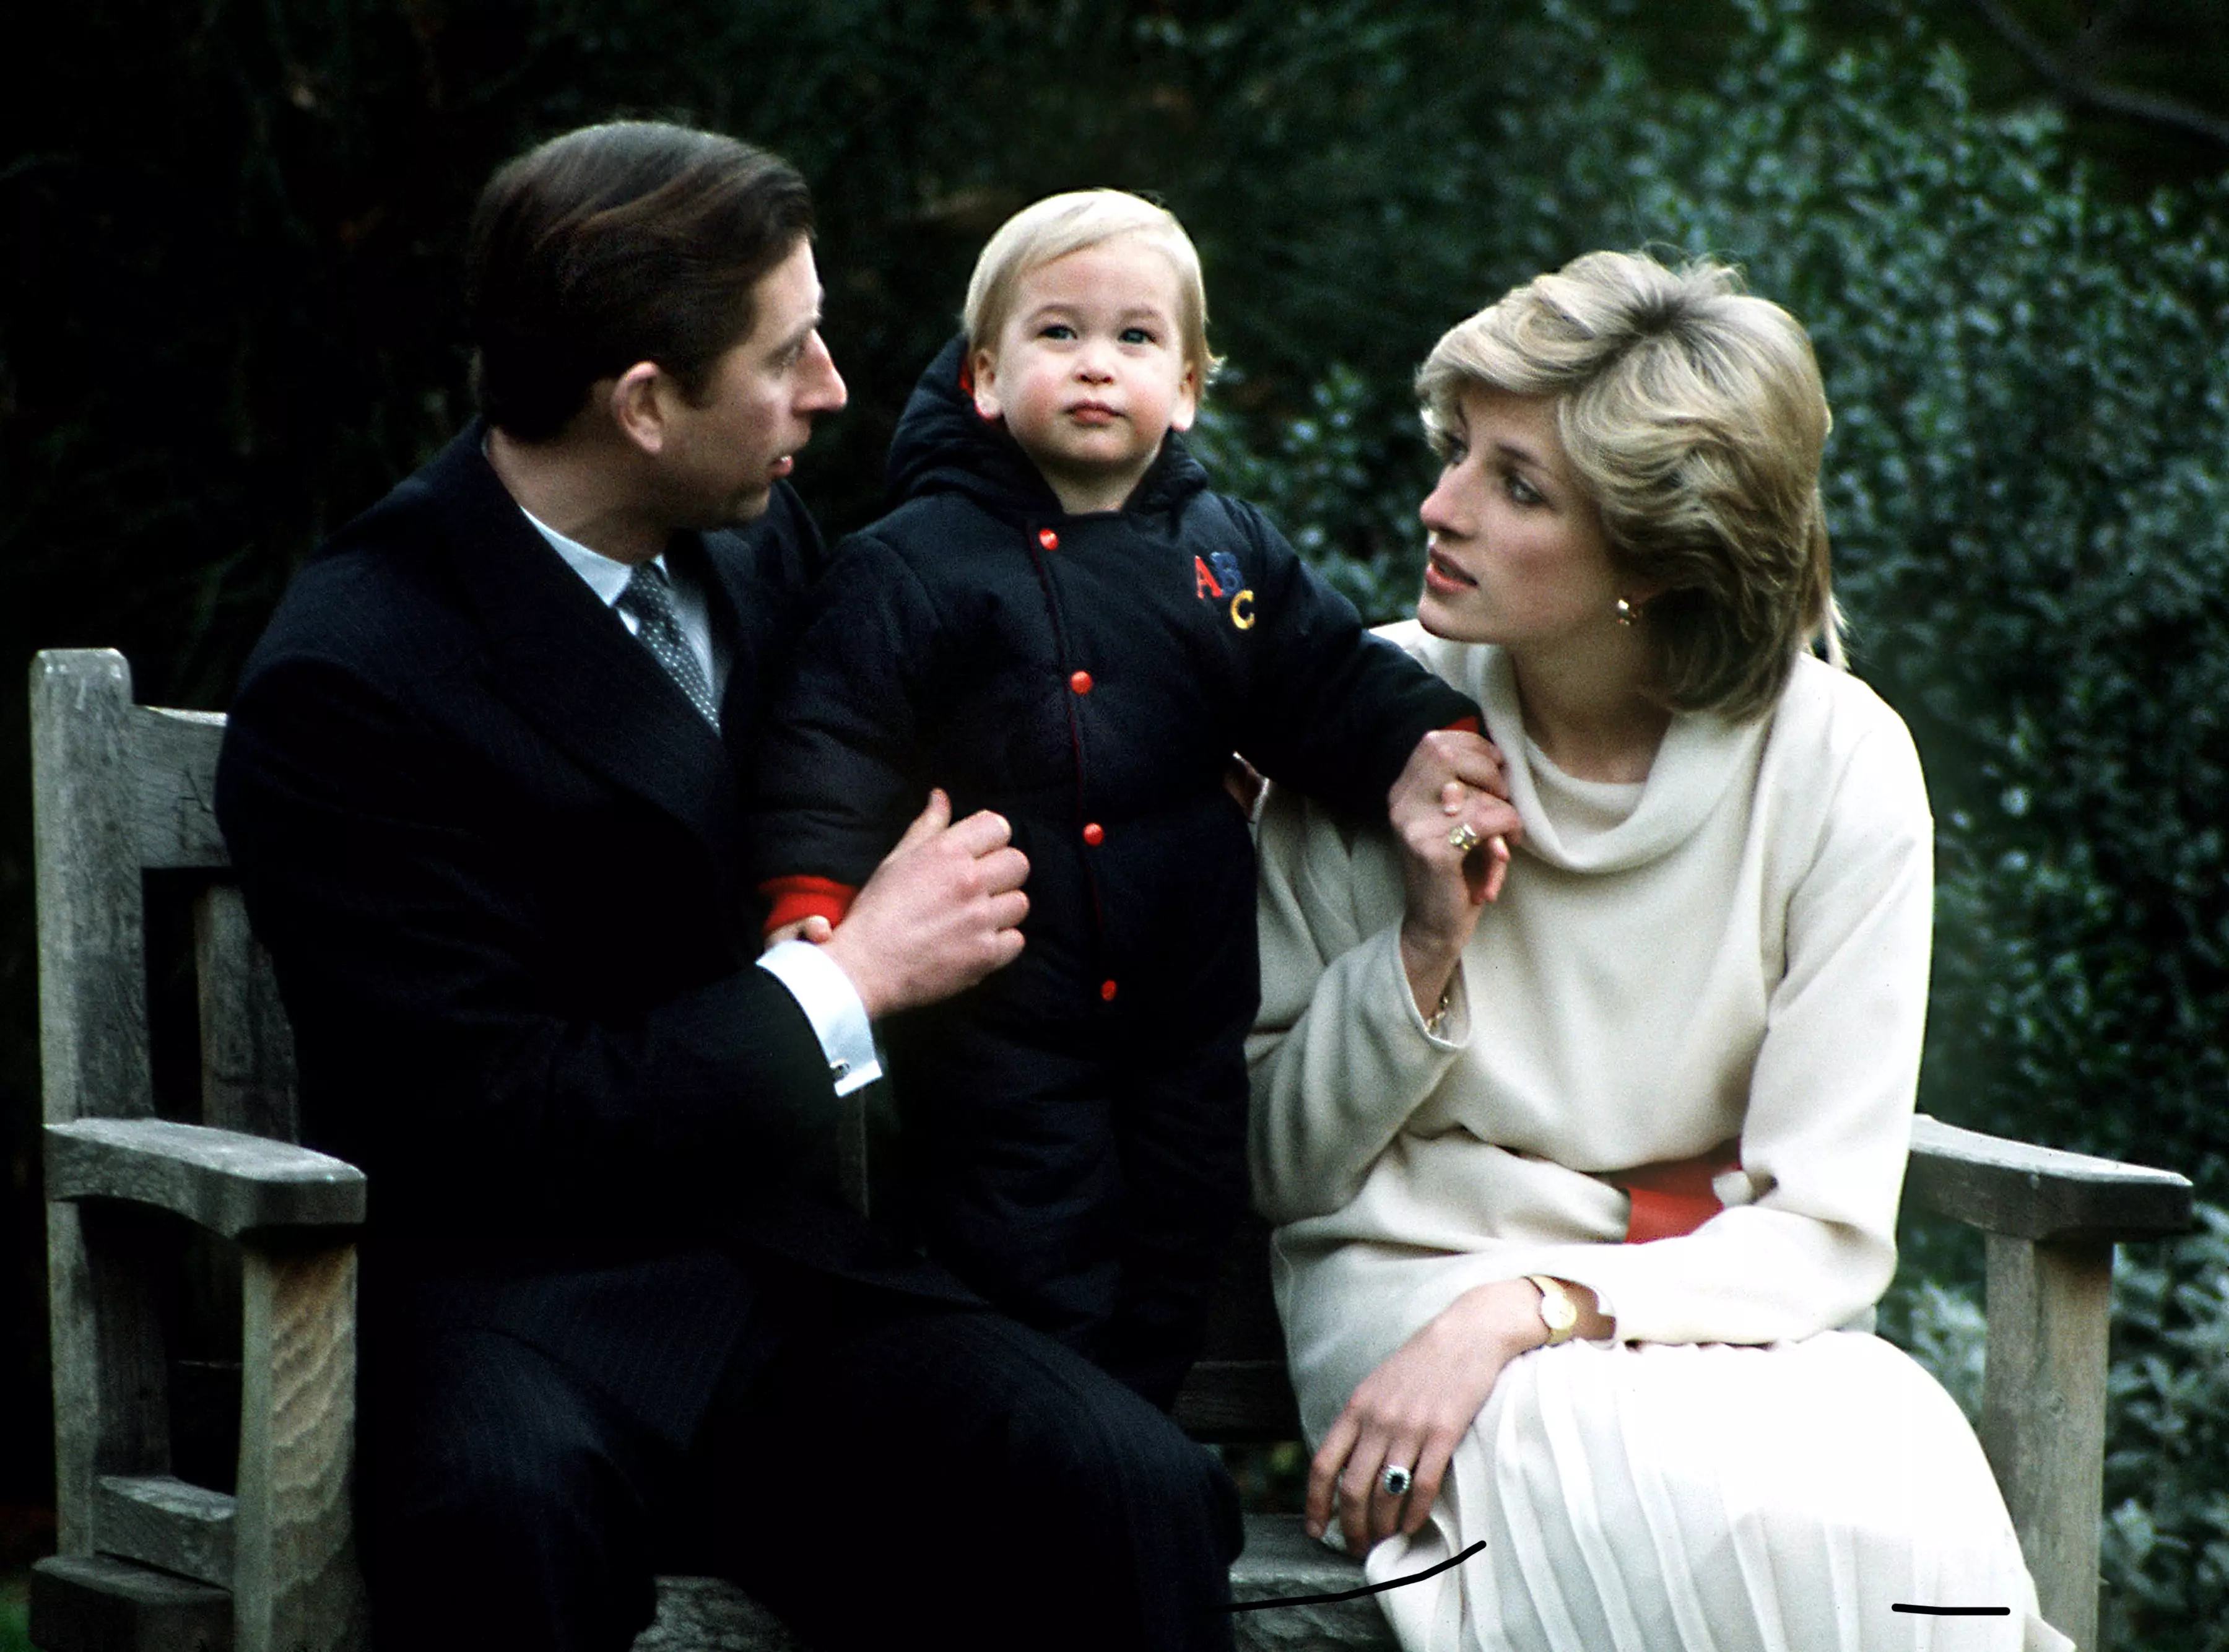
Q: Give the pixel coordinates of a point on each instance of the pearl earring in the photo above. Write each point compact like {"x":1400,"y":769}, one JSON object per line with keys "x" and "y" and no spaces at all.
{"x":1627,"y":613}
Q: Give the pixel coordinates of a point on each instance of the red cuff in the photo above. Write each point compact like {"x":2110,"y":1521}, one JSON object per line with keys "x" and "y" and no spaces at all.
{"x":1675,"y":1198}
{"x":806,"y":897}
{"x":1462,"y":725}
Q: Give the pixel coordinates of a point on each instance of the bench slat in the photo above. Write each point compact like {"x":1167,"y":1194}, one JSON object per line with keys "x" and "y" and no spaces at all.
{"x":2029,"y":1192}
{"x":228,"y":1183}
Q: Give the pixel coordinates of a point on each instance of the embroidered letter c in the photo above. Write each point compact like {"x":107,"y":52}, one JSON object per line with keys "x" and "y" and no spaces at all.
{"x":1241,"y":610}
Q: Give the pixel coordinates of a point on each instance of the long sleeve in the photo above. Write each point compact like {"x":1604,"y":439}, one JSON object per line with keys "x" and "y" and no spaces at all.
{"x":839,"y":768}
{"x":1749,"y":960}
{"x":1333,"y":710}
{"x":1830,"y":1096}
{"x":1338,"y":1054}
{"x":436,"y":969}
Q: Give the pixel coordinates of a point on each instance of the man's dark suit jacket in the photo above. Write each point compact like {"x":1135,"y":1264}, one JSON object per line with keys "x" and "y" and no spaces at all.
{"x":498,"y":860}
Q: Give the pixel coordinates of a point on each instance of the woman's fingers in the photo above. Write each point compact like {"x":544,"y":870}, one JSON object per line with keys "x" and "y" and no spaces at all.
{"x":1484,"y":867}
{"x":1324,"y":1471}
{"x":1432,"y":1459}
{"x":1381,"y":1512}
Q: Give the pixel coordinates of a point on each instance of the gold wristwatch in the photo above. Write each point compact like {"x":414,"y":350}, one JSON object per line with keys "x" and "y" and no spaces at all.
{"x":1557,"y":1311}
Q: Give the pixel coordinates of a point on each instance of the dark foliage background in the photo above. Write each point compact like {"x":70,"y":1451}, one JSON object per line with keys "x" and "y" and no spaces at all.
{"x":228,"y":320}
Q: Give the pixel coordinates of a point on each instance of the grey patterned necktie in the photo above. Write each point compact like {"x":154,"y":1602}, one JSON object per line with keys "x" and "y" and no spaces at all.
{"x":650,"y":600}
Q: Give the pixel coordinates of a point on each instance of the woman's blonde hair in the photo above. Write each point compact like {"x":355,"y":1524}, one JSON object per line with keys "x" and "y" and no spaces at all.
{"x":1061,"y":224}
{"x":1693,"y":415}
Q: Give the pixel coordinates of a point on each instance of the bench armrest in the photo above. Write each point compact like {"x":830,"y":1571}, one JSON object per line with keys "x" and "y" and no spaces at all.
{"x":230,"y":1183}
{"x":2020,"y":1191}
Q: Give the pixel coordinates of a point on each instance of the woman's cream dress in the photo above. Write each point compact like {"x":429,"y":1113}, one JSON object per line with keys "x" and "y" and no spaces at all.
{"x":1736,"y":948}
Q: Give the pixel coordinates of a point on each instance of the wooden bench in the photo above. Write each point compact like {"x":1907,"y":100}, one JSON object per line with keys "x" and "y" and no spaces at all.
{"x":153,"y":1562}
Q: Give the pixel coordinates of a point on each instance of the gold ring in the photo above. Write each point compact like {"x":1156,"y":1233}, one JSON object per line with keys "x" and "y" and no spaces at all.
{"x":1463,"y":839}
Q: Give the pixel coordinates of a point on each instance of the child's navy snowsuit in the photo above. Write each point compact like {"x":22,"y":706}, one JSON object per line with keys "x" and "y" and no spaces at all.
{"x":1075,"y":1126}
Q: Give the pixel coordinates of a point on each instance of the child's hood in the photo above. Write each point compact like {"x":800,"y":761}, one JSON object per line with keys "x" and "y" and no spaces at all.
{"x":942,"y":445}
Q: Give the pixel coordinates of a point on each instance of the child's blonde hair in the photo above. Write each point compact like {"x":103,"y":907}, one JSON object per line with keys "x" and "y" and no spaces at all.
{"x":1061,"y":224}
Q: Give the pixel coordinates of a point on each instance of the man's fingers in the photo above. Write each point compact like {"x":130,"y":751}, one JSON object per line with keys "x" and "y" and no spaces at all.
{"x":1003,"y":870}
{"x":935,"y":816}
{"x":982,"y":833}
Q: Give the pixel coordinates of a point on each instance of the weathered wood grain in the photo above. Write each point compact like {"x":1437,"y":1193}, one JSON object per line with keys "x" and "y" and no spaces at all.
{"x":297,"y":1585}
{"x":88,"y":1603}
{"x":108,"y":1349}
{"x":2029,"y":1192}
{"x":2042,"y":1413}
{"x":247,"y":1051}
{"x":94,"y":1063}
{"x":1239,"y":1399}
{"x":92,"y":993}
{"x":230,"y":1183}
{"x":1280,"y":1561}
{"x":173,"y":787}
{"x":161,"y":1520}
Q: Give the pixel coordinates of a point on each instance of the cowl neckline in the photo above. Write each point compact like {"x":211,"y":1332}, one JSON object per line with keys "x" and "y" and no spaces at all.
{"x":1701,"y":757}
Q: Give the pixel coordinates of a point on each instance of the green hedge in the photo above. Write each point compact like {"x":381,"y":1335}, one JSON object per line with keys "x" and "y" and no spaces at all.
{"x":2029,"y":489}
{"x":2028,"y":484}
{"x":2165,"y":1542}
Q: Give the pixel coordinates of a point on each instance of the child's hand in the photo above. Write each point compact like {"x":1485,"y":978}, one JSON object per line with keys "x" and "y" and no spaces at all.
{"x":815,"y":928}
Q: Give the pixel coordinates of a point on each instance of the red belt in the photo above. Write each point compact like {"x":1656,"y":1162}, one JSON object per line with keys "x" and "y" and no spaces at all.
{"x":1675,"y":1196}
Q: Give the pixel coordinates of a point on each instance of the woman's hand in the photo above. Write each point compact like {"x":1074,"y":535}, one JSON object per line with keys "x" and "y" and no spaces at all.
{"x":1412,"y":1410}
{"x":1452,"y":781}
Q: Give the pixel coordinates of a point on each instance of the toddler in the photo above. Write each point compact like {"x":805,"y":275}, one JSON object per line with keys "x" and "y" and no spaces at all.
{"x":1060,"y":621}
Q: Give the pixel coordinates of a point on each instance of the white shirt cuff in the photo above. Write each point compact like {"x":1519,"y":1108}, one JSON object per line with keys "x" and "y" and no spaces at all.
{"x":824,"y":993}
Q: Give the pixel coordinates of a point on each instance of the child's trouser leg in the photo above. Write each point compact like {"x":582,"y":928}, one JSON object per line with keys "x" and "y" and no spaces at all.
{"x":1181,"y":1131}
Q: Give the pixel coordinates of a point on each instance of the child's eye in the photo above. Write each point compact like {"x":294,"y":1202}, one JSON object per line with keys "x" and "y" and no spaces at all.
{"x":1057,"y":330}
{"x":1136,"y":336}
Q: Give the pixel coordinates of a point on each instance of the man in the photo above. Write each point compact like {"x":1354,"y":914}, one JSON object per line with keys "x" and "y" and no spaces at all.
{"x":484,"y":784}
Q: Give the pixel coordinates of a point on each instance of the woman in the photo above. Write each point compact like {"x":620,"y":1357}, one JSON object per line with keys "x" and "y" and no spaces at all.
{"x":1585,"y":1199}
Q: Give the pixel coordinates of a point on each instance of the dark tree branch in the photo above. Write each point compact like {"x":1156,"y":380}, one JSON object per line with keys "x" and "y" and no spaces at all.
{"x":2076,"y":85}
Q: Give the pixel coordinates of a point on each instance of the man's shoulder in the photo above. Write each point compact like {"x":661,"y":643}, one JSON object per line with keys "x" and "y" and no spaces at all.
{"x":376,"y":595}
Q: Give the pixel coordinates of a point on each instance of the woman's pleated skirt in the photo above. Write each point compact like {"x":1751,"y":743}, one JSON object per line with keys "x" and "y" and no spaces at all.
{"x":1805,"y":1496}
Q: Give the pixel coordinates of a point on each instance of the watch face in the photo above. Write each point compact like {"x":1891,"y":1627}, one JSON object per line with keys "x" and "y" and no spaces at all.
{"x":1557,"y":1311}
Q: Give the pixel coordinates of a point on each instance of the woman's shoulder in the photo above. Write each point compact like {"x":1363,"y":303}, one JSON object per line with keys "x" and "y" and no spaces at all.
{"x":1846,"y":740}
{"x":1461,"y":664}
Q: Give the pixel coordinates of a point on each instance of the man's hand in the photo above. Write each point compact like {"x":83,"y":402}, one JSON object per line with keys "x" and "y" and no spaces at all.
{"x":942,"y":911}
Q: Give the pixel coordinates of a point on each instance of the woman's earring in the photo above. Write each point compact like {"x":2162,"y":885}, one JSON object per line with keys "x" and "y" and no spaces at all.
{"x":1627,"y":613}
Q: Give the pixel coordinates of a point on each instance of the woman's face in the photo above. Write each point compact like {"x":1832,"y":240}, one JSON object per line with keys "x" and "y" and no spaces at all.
{"x":1516,"y":553}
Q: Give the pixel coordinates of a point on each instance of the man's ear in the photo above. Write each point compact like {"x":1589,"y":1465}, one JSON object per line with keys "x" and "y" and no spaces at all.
{"x":1187,"y":404}
{"x":983,"y":371}
{"x":639,"y":406}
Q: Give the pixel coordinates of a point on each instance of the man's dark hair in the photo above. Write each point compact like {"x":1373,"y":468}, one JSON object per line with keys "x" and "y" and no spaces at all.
{"x":632,"y":241}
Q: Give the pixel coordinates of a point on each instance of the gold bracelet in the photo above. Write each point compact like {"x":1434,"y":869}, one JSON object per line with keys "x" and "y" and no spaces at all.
{"x":1437,"y":1022}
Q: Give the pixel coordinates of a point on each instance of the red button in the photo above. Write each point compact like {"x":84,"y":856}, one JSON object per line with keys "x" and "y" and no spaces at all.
{"x":1049,"y":539}
{"x":1107,"y":991}
{"x":1081,"y":682}
{"x":1094,"y":833}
